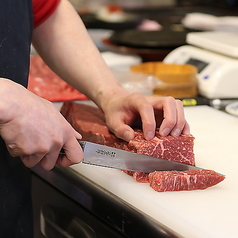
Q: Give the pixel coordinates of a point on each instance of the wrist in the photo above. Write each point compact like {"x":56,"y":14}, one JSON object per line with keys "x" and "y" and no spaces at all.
{"x":9,"y":91}
{"x":107,"y":94}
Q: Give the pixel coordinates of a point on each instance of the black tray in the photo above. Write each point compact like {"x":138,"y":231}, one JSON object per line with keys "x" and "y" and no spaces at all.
{"x":149,"y":39}
{"x":91,"y":21}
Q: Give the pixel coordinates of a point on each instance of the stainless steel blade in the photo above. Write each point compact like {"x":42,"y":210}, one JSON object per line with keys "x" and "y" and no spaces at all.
{"x":100,"y":155}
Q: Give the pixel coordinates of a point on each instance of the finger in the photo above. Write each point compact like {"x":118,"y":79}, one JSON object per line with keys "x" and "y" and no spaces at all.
{"x":31,"y":160}
{"x":148,"y":121}
{"x":169,"y":108}
{"x":49,"y":160}
{"x":146,"y":112}
{"x":124,"y":132}
{"x":73,"y":153}
{"x":186,"y":129}
{"x":180,"y":120}
{"x":174,"y":122}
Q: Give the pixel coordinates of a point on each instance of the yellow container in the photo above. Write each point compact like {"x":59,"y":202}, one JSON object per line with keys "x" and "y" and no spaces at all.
{"x":175,"y":80}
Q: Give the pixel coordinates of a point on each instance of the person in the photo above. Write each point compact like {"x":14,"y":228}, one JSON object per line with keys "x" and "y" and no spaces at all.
{"x":32,"y":130}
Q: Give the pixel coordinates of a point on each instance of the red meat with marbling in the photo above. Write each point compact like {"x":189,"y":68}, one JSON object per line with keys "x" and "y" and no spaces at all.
{"x":162,"y":181}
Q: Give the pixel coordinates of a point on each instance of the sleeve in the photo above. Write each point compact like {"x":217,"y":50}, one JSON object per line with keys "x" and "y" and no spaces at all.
{"x":42,"y":9}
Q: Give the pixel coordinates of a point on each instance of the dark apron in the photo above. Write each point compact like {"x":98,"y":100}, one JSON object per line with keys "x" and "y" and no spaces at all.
{"x":15,"y":179}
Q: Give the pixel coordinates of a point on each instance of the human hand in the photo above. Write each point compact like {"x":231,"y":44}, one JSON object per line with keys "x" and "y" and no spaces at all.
{"x":34,"y":129}
{"x":124,"y":111}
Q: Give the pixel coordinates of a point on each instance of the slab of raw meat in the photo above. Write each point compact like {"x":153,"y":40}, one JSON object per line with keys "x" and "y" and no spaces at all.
{"x":90,"y":122}
{"x":184,"y":180}
{"x":46,"y":84}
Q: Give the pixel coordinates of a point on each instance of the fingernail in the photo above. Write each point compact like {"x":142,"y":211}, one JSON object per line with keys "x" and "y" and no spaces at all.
{"x":150,"y":135}
{"x":165,"y":131}
{"x":177,"y":132}
{"x":128,"y":136}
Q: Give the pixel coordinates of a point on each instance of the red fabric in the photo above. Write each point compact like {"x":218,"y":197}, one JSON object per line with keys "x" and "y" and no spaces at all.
{"x":42,"y":9}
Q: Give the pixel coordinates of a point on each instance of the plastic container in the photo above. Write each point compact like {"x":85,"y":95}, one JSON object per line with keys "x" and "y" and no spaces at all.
{"x":177,"y":80}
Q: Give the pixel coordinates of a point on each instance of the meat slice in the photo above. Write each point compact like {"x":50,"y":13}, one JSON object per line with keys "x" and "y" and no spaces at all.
{"x":46,"y":84}
{"x":138,"y":176}
{"x":90,"y":123}
{"x":184,"y":180}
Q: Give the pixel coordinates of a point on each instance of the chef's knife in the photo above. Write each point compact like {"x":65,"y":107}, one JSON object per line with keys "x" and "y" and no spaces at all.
{"x":101,"y":155}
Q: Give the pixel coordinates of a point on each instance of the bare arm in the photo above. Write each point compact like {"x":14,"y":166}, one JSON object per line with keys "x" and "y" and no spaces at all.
{"x":65,"y":45}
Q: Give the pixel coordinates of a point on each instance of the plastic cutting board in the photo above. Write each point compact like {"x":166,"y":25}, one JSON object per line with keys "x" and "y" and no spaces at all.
{"x":210,"y":213}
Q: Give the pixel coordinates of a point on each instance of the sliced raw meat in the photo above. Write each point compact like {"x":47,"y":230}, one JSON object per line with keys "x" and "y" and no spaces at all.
{"x":46,"y":84}
{"x":141,"y":177}
{"x":90,"y":123}
{"x":138,"y":176}
{"x":184,"y":180}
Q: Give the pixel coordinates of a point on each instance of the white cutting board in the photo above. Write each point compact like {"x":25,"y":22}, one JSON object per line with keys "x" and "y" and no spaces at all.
{"x":210,"y":213}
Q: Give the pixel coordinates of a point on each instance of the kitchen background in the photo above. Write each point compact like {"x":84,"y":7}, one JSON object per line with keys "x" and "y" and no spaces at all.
{"x":169,"y":14}
{"x":85,"y":201}
{"x":142,"y":3}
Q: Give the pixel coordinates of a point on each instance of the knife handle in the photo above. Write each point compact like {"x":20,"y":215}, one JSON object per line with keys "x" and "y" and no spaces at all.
{"x":81,"y":143}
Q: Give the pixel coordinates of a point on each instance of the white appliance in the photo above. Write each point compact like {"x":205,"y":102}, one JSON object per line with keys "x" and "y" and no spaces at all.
{"x":215,"y":54}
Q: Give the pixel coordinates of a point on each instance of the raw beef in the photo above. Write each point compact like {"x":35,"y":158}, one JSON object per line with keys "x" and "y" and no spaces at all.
{"x":46,"y":84}
{"x":184,"y":180}
{"x":179,"y":149}
{"x":90,"y":122}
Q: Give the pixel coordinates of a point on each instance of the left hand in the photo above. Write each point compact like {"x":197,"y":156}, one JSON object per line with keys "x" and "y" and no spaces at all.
{"x":124,"y":111}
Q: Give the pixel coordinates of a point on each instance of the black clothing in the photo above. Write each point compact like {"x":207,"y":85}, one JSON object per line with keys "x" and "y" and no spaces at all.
{"x":16,"y":24}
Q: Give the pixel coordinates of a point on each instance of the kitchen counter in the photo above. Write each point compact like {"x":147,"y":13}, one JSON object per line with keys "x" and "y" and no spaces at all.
{"x":128,"y":205}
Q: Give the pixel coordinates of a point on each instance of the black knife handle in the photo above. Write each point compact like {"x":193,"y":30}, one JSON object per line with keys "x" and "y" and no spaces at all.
{"x":82,"y":144}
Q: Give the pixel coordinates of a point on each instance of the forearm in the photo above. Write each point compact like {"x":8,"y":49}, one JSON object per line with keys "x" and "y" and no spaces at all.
{"x":74,"y":57}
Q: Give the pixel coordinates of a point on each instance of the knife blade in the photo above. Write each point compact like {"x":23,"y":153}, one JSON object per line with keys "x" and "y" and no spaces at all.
{"x":101,"y":155}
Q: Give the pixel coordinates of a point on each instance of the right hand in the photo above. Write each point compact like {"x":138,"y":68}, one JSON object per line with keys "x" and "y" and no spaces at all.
{"x":34,"y":129}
